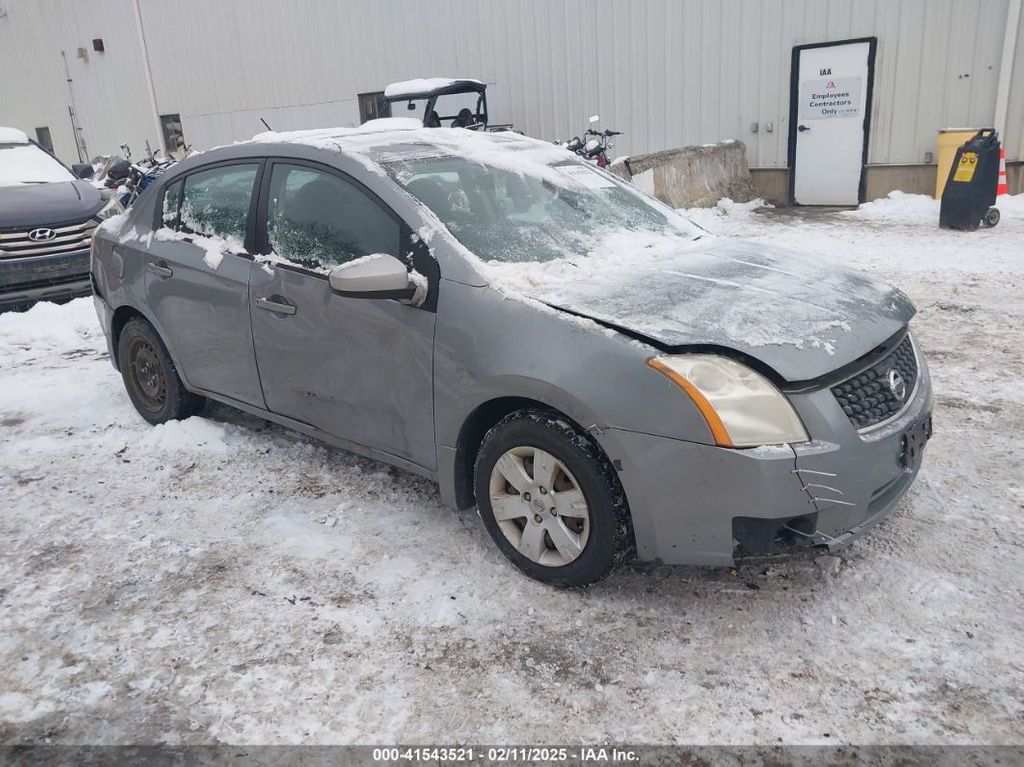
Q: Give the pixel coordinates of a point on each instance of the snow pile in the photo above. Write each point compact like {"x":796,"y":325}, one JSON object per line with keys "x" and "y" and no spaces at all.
{"x":713,"y":218}
{"x":194,"y":434}
{"x":898,"y":207}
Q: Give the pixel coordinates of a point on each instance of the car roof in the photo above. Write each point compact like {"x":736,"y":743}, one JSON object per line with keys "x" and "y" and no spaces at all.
{"x":390,"y":139}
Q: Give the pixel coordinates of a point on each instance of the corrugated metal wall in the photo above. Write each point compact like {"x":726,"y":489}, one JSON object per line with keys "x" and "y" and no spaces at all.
{"x":665,"y":72}
{"x":109,"y":88}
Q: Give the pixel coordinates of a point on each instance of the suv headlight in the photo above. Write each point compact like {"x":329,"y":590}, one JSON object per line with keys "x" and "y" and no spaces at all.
{"x":112,"y":208}
{"x":742,"y":407}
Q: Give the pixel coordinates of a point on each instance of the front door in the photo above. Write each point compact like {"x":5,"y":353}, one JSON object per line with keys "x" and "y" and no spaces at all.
{"x":358,"y":368}
{"x":830,"y":119}
{"x":197,"y":278}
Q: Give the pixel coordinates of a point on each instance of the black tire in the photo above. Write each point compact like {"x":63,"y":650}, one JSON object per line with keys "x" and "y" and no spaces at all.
{"x":152,"y":381}
{"x":610,"y":539}
{"x":991,"y":217}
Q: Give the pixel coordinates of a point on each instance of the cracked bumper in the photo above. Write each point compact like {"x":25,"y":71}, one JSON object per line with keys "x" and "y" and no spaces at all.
{"x":704,"y":505}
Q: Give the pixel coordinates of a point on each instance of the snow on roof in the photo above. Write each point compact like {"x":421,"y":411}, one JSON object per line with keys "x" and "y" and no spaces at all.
{"x":380,"y":142}
{"x":424,"y":85}
{"x":12,"y":136}
{"x":317,"y":136}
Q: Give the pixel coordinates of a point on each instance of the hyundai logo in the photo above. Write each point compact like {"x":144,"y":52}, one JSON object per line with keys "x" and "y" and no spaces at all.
{"x":897,"y":385}
{"x":41,"y":235}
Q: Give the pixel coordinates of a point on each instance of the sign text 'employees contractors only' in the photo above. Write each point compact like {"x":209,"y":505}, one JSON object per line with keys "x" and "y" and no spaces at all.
{"x":830,"y":98}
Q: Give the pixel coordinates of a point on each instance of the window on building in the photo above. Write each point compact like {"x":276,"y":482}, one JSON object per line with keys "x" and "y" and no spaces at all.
{"x":44,"y":139}
{"x":319,"y":220}
{"x":215,"y":202}
{"x":174,"y":138}
{"x":372,"y":106}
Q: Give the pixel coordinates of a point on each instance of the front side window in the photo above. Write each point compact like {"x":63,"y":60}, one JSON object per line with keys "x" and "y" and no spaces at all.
{"x":319,"y":221}
{"x":215,"y":202}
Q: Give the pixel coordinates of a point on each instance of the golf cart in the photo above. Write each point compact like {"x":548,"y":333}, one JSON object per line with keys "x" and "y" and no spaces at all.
{"x":443,"y":102}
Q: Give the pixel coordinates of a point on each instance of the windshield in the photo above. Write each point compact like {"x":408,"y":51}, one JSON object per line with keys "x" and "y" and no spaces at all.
{"x":28,"y":164}
{"x":502,"y":214}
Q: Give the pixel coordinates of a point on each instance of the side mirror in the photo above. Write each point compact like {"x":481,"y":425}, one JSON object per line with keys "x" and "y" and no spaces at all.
{"x":376,"y":276}
{"x":594,"y":119}
{"x":82,"y":170}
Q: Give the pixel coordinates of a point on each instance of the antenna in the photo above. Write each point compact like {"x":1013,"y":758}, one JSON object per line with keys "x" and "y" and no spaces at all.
{"x":266,"y":126}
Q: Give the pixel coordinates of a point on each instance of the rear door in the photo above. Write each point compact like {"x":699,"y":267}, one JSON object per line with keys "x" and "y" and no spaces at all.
{"x":831,"y":110}
{"x":197,"y":278}
{"x":358,"y":368}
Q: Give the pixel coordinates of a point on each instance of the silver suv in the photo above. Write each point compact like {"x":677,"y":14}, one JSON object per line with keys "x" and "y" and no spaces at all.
{"x":592,"y":371}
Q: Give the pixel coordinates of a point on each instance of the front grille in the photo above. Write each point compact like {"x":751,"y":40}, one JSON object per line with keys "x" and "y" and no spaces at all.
{"x":15,"y":243}
{"x":868,"y":399}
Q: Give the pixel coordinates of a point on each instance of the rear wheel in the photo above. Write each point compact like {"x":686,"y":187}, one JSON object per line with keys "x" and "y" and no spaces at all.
{"x":551,"y":501}
{"x":991,"y":217}
{"x":152,"y":382}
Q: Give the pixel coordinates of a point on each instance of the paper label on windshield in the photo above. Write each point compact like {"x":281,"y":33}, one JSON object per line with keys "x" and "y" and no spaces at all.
{"x":584,"y":175}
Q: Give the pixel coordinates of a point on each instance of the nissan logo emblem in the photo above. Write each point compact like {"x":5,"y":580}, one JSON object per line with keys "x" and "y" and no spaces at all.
{"x":897,"y":385}
{"x":41,"y":235}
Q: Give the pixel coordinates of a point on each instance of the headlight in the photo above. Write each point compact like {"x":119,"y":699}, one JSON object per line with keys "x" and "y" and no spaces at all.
{"x":112,"y":208}
{"x":742,"y":408}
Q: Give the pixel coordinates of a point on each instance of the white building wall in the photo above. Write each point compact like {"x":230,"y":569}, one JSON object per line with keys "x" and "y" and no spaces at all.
{"x":109,"y":88}
{"x":665,"y":72}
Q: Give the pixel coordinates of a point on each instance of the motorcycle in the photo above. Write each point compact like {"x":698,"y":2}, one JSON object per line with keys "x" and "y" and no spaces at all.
{"x":131,"y":179}
{"x":595,"y":148}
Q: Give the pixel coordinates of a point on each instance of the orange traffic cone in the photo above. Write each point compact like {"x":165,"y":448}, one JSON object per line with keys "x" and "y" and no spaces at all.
{"x":1001,"y":183}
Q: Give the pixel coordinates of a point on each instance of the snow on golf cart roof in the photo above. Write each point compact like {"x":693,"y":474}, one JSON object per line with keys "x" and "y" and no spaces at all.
{"x":425,"y":86}
{"x":12,"y":136}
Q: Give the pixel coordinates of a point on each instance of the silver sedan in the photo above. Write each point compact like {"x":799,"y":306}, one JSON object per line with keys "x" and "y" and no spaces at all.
{"x":597,"y":375}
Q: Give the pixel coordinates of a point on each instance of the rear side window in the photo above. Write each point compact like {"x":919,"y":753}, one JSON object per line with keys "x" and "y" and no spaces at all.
{"x":319,"y":220}
{"x":172,"y":202}
{"x":215,"y":202}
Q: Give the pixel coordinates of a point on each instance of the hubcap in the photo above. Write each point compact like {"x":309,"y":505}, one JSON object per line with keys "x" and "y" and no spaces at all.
{"x":148,"y":373}
{"x":539,"y":506}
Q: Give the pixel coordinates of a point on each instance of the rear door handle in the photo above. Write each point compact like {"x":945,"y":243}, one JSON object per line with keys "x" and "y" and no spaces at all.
{"x":802,"y":128}
{"x":275,"y":306}
{"x":161,"y":270}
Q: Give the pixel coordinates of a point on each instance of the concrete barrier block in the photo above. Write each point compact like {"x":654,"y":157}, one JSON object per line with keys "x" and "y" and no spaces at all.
{"x":692,"y":176}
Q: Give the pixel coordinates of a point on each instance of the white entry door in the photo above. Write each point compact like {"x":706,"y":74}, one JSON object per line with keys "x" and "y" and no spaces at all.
{"x":832,"y":89}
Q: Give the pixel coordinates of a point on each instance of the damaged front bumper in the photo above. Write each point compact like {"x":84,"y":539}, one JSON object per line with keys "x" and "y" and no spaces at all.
{"x":706,"y":505}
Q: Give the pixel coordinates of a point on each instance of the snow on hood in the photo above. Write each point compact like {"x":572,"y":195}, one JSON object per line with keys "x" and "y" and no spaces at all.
{"x":424,"y":85}
{"x":800,"y":316}
{"x":28,"y":164}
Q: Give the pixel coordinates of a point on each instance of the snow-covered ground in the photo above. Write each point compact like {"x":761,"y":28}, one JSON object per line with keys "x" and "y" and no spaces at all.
{"x":225,"y":580}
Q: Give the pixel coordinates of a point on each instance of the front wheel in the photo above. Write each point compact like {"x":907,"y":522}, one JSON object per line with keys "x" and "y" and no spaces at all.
{"x":152,"y":381}
{"x":991,"y":217}
{"x":551,"y":501}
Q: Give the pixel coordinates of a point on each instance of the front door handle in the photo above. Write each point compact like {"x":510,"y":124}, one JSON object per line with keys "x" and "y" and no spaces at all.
{"x":160,"y":269}
{"x":275,"y":306}
{"x":802,"y":128}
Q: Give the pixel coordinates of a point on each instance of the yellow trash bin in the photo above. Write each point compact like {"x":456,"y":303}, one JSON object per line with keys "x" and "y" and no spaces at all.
{"x":949,"y":140}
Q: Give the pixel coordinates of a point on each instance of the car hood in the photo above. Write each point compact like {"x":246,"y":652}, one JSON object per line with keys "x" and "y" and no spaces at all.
{"x":802,"y":317}
{"x":23,"y":206}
